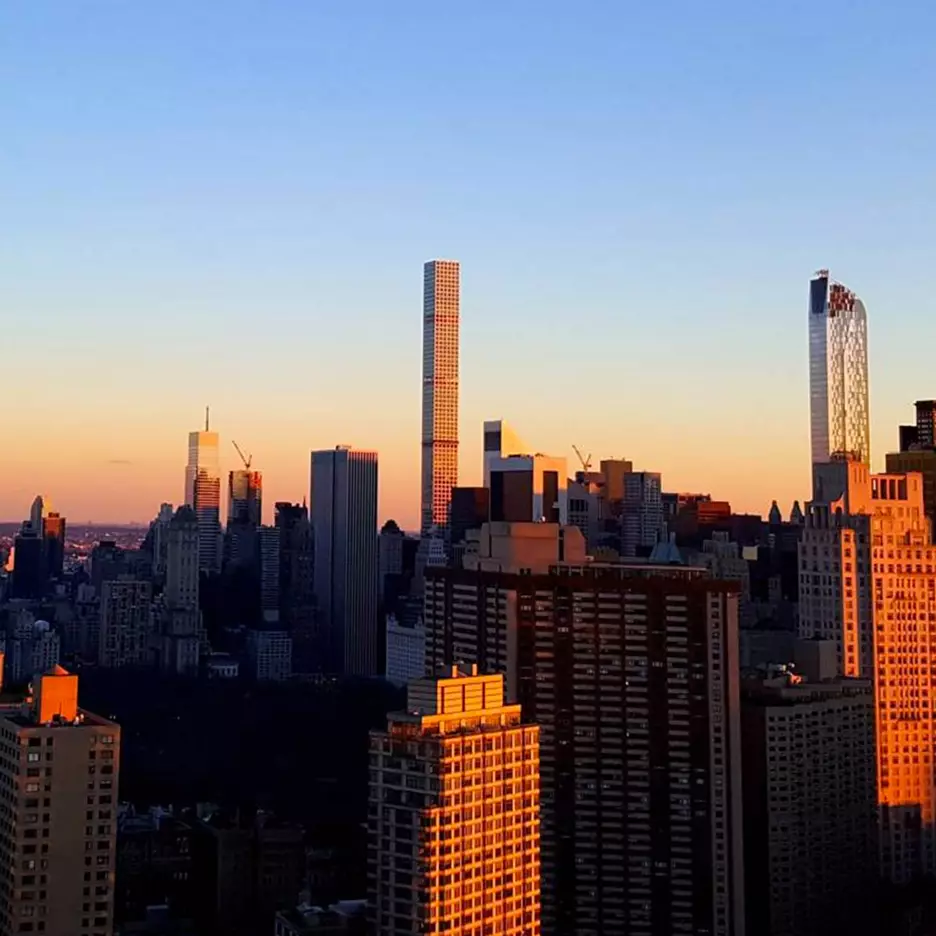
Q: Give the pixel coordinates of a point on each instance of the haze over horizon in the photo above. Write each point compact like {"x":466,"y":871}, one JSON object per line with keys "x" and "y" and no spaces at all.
{"x":223,"y":204}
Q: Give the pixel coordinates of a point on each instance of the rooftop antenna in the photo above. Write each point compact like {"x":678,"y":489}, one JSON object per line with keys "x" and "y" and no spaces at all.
{"x":206,"y":419}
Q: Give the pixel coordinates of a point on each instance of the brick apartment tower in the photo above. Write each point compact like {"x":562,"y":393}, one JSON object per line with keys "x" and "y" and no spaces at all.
{"x":454,"y":813}
{"x":58,"y":786}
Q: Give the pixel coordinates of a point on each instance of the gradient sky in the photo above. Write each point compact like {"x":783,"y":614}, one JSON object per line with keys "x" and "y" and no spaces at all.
{"x":230,"y":202}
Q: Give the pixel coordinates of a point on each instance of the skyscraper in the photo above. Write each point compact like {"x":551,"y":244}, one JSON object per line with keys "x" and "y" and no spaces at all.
{"x":126,"y":623}
{"x":440,"y":391}
{"x":454,"y":812}
{"x":500,"y":441}
{"x":343,"y":499}
{"x":58,"y":841}
{"x":53,"y":544}
{"x":245,"y":497}
{"x":632,"y":674}
{"x":181,"y":625}
{"x":642,"y":525}
{"x":838,"y":371}
{"x":203,"y":494}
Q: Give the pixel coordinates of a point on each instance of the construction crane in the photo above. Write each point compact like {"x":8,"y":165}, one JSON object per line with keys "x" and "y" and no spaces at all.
{"x":586,"y":462}
{"x":246,"y":459}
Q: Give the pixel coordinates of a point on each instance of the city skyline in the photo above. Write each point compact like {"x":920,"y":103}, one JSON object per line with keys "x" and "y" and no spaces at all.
{"x":149,"y":294}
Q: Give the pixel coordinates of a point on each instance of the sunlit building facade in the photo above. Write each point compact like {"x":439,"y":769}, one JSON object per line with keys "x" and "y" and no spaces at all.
{"x":868,"y":581}
{"x":245,"y":497}
{"x":203,"y":495}
{"x":440,"y":391}
{"x":838,"y":371}
{"x":454,"y":813}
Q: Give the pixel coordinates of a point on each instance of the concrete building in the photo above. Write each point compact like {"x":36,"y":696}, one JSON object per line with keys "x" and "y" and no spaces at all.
{"x":500,"y":441}
{"x":268,"y":538}
{"x":344,"y":523}
{"x":528,"y":488}
{"x":838,"y":372}
{"x":641,"y":824}
{"x":406,"y":651}
{"x":203,"y":495}
{"x":642,"y":525}
{"x":867,"y":580}
{"x":918,"y":453}
{"x":441,"y":311}
{"x":270,"y":655}
{"x":31,"y":646}
{"x":454,"y":812}
{"x":471,"y":509}
{"x":245,"y":497}
{"x":59,"y":773}
{"x":126,"y":635}
{"x":53,"y":544}
{"x":810,"y":801}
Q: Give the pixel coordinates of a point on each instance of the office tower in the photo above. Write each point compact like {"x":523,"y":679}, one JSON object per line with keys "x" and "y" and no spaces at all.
{"x":500,"y":441}
{"x":58,"y":843}
{"x":457,"y":852}
{"x":158,"y":537}
{"x":28,"y":580}
{"x":269,"y":548}
{"x":528,"y":488}
{"x":613,"y":472}
{"x":405,"y":651}
{"x":926,"y":423}
{"x":270,"y":655}
{"x":53,"y":548}
{"x":471,"y":508}
{"x":631,"y":673}
{"x":389,"y":560}
{"x":203,"y":494}
{"x":126,"y":634}
{"x":297,"y":600}
{"x":838,"y":372}
{"x":181,"y":626}
{"x":245,"y":497}
{"x":808,"y":744}
{"x":642,"y":525}
{"x":31,"y":646}
{"x":440,"y":391}
{"x":343,"y":505}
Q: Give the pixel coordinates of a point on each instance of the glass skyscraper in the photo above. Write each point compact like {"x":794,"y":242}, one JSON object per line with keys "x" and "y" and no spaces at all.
{"x":838,"y":372}
{"x":203,"y":495}
{"x":440,"y":391}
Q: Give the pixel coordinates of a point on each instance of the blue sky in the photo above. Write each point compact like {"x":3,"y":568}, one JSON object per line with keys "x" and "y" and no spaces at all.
{"x":230,"y":202}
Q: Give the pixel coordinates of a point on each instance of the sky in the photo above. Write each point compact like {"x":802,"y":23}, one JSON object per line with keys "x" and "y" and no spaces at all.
{"x":230,"y":202}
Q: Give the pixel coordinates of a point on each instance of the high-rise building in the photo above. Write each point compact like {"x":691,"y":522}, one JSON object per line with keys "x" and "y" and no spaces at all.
{"x":918,"y":453}
{"x":500,"y":441}
{"x":405,"y":651}
{"x":203,"y":494}
{"x":181,"y":625}
{"x":344,"y":526}
{"x":454,"y":812}
{"x":867,"y":582}
{"x":471,"y":509}
{"x":632,"y":674}
{"x":810,"y":802}
{"x":642,"y":525}
{"x":297,"y":599}
{"x":126,"y":635}
{"x":440,"y":391}
{"x":29,"y":579}
{"x":528,"y":488}
{"x":270,"y":655}
{"x":53,"y":540}
{"x":269,"y":549}
{"x":838,"y":372}
{"x":245,"y":497}
{"x":59,"y":774}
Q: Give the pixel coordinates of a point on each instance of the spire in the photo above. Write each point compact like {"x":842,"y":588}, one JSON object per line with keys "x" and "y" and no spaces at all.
{"x":774,"y":517}
{"x":206,"y":419}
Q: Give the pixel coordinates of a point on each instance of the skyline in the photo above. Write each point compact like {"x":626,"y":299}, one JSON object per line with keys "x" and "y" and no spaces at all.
{"x":237,"y":218}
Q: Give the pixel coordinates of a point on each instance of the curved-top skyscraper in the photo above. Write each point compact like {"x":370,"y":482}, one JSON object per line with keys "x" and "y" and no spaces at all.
{"x":838,"y":372}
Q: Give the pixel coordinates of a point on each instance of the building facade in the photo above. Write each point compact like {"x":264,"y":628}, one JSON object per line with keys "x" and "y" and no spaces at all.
{"x":453,"y":817}
{"x":203,"y":495}
{"x":528,"y":488}
{"x":642,"y":525}
{"x":345,"y":568}
{"x":500,"y":441}
{"x":126,"y":635}
{"x":59,"y":776}
{"x":838,"y":372}
{"x":441,"y":310}
{"x":245,"y":497}
{"x":641,"y":828}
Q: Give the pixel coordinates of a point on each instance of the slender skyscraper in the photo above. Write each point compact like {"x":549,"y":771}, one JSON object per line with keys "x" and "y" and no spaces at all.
{"x":838,"y":371}
{"x":440,"y":391}
{"x":245,"y":497}
{"x":344,"y":528}
{"x":203,"y":494}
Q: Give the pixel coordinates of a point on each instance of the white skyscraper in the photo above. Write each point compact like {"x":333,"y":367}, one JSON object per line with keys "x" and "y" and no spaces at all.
{"x":838,"y":371}
{"x":440,"y":391}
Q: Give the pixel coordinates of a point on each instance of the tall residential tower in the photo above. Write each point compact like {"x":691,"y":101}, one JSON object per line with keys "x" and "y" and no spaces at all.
{"x":838,"y":371}
{"x":440,"y":391}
